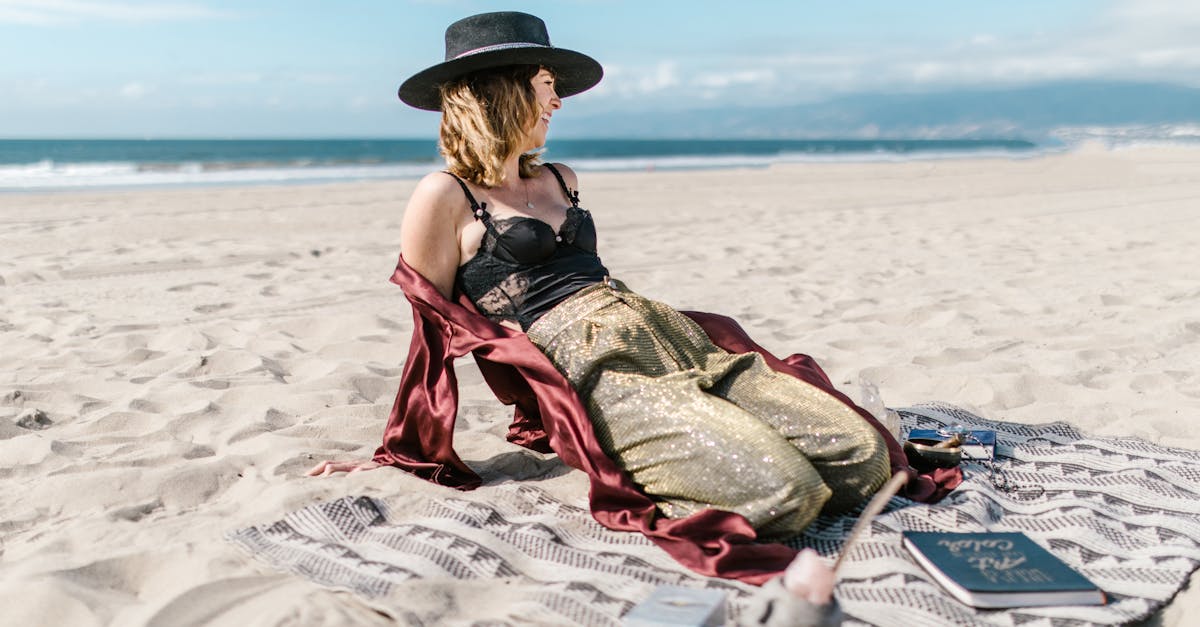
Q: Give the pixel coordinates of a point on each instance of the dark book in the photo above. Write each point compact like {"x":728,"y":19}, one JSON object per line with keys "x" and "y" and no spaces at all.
{"x":979,"y":444}
{"x":999,"y":569}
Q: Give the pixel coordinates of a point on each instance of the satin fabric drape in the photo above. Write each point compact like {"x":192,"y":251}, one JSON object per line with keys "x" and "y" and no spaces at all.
{"x":549,"y":417}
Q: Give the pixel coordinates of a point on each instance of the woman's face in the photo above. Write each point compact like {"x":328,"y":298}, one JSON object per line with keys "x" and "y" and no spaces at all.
{"x":548,"y":101}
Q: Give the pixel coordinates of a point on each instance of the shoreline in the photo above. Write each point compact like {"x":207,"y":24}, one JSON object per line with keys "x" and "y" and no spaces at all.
{"x":194,"y":350}
{"x":15,"y":179}
{"x":132,"y":165}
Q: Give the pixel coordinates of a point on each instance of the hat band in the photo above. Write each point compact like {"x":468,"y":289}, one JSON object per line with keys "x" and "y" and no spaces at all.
{"x":516,"y":44}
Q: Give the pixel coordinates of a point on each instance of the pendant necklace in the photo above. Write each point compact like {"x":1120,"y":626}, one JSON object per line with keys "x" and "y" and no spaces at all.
{"x":528,"y":204}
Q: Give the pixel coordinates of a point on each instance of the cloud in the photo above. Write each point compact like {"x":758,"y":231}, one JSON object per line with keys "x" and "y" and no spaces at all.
{"x":223,"y":79}
{"x":233,"y":79}
{"x":1150,"y":40}
{"x":1150,"y":34}
{"x":721,"y":80}
{"x":632,"y":81}
{"x":52,"y":12}
{"x":1155,"y":10}
{"x":1138,"y":40}
{"x":315,"y":78}
{"x":662,"y":76}
{"x":18,"y":15}
{"x":361,"y":103}
{"x":135,"y":91}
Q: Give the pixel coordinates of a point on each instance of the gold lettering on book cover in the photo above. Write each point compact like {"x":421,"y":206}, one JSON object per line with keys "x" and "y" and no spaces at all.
{"x":995,"y":559}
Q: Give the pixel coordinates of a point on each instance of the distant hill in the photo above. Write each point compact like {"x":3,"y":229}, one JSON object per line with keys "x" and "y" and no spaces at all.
{"x":1030,"y":112}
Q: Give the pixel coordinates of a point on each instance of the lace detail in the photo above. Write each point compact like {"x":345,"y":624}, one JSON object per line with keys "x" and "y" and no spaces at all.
{"x":570,"y":227}
{"x":508,"y":287}
{"x":504,"y":301}
{"x":508,"y":298}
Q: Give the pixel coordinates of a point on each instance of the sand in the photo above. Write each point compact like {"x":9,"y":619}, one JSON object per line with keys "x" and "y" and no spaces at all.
{"x":173,"y":360}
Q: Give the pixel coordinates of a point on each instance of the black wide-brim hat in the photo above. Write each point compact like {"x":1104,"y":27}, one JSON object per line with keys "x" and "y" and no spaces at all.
{"x":491,"y":40}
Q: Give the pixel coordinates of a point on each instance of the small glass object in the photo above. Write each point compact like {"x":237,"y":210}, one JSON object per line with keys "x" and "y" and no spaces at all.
{"x":872,"y":401}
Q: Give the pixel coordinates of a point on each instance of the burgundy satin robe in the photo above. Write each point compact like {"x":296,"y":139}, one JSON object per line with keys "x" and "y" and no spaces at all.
{"x":549,"y":417}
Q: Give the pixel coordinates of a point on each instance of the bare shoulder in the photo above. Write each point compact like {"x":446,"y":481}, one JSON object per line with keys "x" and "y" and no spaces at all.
{"x":568,"y":175}
{"x":436,"y":211}
{"x":437,"y":192}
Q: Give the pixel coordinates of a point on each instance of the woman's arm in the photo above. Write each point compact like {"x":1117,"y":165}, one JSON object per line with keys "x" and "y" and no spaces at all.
{"x":429,"y":235}
{"x":429,"y":241}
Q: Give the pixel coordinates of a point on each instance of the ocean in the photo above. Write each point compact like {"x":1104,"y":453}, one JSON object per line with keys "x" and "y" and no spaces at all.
{"x":64,"y":164}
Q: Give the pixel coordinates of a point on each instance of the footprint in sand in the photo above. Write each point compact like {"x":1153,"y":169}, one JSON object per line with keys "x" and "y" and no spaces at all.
{"x":141,"y":404}
{"x":244,"y":600}
{"x":248,"y":432}
{"x":394,"y":325}
{"x":1098,"y":355}
{"x":34,"y":420}
{"x":199,"y":452}
{"x":88,"y":404}
{"x":259,"y":276}
{"x":187,"y":287}
{"x":190,"y":484}
{"x":134,"y":513}
{"x":383,"y":371}
{"x":782,"y":270}
{"x":211,"y":384}
{"x":139,"y":355}
{"x":277,"y":419}
{"x":949,"y":357}
{"x":1143,"y":383}
{"x":212,"y":308}
{"x":373,"y":388}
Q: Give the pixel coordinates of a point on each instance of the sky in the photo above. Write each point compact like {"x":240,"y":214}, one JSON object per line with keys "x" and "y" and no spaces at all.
{"x":307,"y":68}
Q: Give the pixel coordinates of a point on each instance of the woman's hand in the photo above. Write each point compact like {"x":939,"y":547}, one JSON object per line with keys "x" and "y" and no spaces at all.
{"x":328,"y":467}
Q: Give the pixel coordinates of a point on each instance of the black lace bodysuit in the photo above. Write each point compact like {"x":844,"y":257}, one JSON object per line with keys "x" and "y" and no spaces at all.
{"x":523,"y":268}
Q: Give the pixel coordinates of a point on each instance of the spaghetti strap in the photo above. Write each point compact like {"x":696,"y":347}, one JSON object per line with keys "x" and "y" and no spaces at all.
{"x":479,"y":210}
{"x":572,"y":196}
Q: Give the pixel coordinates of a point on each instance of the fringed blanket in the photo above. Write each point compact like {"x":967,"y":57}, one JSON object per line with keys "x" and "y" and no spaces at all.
{"x":1124,"y":512}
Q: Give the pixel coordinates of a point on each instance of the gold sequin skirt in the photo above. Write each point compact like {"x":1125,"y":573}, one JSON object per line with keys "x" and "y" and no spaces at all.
{"x":698,"y":427}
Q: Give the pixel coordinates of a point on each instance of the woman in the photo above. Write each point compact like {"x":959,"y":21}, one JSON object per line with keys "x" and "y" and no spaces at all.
{"x":710,"y":440}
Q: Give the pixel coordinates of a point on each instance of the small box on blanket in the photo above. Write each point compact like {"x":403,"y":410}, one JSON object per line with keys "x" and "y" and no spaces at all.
{"x":977,"y":444}
{"x":673,"y":606}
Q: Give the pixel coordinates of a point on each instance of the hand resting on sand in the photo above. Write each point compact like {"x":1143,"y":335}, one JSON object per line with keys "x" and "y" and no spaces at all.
{"x":328,"y":467}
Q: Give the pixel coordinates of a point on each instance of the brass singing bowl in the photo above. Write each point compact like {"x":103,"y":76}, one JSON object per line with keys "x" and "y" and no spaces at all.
{"x":924,"y":455}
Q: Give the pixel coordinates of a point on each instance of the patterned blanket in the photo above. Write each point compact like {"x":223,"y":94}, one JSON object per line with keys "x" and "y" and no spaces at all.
{"x":1122,"y":511}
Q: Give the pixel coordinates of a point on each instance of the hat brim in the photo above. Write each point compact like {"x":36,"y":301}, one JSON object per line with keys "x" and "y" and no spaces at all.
{"x":574,"y":72}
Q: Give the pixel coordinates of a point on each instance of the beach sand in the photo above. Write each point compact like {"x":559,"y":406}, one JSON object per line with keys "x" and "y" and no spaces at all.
{"x":174,"y":360}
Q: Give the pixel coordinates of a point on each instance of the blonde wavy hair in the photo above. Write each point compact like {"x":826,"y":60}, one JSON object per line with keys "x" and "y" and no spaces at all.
{"x":486,"y":117}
